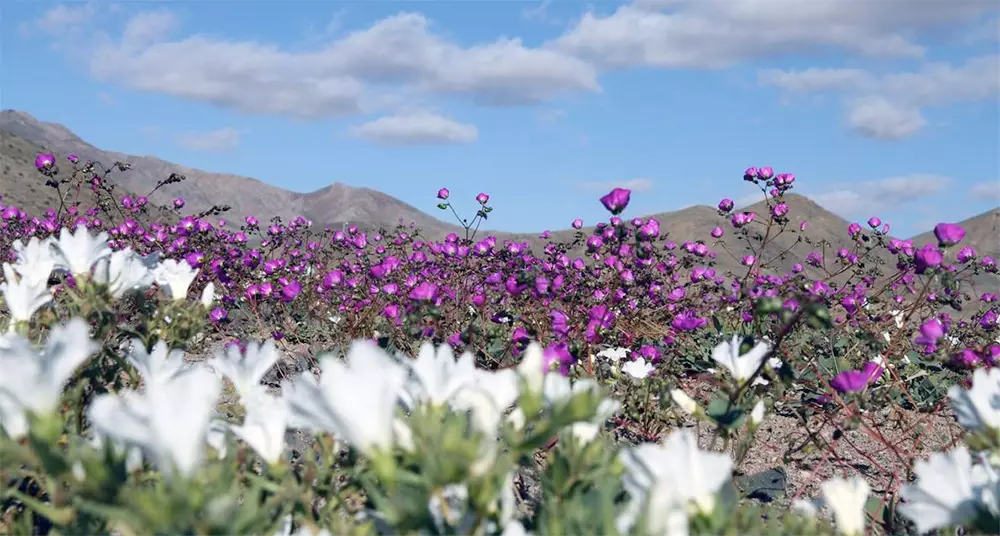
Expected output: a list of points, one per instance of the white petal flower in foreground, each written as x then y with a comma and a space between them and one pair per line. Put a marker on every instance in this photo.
34, 261
159, 366
637, 369
34, 381
665, 481
77, 251
355, 402
127, 271
532, 369
175, 277
946, 492
978, 408
246, 369
846, 501
264, 427
170, 422
22, 296
743, 366
437, 376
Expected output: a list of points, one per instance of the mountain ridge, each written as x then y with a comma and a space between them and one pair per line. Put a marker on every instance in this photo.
339, 202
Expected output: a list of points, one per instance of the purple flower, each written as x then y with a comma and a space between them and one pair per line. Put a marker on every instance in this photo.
443, 193
930, 332
749, 260
558, 353
949, 234
853, 381
779, 210
44, 161
290, 291
966, 254
687, 321
765, 173
853, 230
179, 202
750, 175
717, 232
73, 158
577, 223
218, 315
482, 198
874, 222
726, 205
967, 358
927, 257
425, 291
616, 200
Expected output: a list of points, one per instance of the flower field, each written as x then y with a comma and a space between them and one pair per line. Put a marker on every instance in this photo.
163, 372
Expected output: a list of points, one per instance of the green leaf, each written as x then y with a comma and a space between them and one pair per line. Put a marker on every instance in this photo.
726, 417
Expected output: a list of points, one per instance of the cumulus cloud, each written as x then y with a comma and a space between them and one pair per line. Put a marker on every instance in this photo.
874, 198
339, 77
416, 128
636, 185
876, 117
223, 139
711, 34
988, 191
889, 106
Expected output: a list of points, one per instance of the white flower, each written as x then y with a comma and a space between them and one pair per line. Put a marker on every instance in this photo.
978, 408
757, 413
355, 402
684, 401
176, 277
33, 381
23, 297
637, 369
208, 295
437, 376
558, 388
667, 479
586, 431
34, 261
170, 422
264, 427
743, 366
126, 271
846, 501
246, 369
946, 491
159, 366
76, 252
614, 354
532, 368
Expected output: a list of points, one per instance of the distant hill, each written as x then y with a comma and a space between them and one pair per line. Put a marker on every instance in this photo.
23, 136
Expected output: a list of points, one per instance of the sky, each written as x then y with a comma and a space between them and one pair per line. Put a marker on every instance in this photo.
879, 107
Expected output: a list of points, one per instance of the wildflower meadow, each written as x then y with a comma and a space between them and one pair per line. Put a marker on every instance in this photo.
168, 372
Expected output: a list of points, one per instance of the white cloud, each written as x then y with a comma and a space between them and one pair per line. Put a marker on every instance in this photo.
815, 80
62, 19
636, 185
876, 117
223, 139
416, 128
988, 191
710, 34
341, 76
880, 197
890, 106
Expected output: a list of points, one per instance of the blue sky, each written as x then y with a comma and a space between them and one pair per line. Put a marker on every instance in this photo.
882, 108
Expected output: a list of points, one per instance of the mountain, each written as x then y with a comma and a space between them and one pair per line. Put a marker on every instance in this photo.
982, 232
22, 136
335, 203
